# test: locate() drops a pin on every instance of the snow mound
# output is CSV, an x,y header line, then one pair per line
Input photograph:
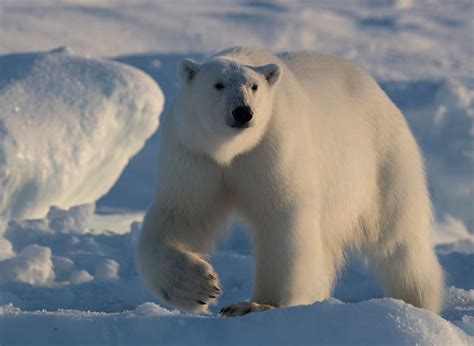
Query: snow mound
x,y
6,249
45,246
107,269
378,321
68,127
149,309
452,235
66,272
75,219
33,265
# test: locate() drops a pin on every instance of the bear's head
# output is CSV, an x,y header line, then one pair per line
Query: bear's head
x,y
225,106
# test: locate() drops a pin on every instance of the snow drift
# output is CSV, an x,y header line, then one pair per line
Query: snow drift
x,y
68,127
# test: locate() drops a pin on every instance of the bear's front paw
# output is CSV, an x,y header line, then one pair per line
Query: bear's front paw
x,y
187,282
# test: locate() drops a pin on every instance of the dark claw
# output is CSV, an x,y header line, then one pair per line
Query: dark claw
x,y
217,289
212,277
201,302
212,297
226,310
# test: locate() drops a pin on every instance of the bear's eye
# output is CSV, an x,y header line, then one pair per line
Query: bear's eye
x,y
219,86
254,87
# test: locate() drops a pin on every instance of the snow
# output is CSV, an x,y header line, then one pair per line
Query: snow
x,y
70,281
32,266
67,271
107,269
6,249
74,219
385,320
83,120
454,234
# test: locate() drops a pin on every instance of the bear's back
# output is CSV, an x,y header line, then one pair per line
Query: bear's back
x,y
329,76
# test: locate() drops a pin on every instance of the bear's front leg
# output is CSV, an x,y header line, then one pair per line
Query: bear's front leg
x,y
292,267
185,280
172,267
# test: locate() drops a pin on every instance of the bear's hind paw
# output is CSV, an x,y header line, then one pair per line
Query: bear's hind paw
x,y
242,308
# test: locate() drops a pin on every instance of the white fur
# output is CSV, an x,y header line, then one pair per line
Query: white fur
x,y
328,164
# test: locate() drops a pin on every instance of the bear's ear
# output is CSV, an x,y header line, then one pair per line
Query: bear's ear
x,y
187,69
272,73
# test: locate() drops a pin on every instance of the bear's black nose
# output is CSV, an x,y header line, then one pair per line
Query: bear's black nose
x,y
242,115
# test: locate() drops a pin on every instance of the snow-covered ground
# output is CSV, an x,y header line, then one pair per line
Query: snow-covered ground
x,y
72,284
69,276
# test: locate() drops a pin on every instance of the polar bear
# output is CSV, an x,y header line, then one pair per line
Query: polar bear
x,y
313,154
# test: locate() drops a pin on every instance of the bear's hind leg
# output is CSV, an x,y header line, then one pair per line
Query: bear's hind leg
x,y
411,272
400,249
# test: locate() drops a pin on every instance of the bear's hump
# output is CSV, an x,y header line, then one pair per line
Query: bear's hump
x,y
249,55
